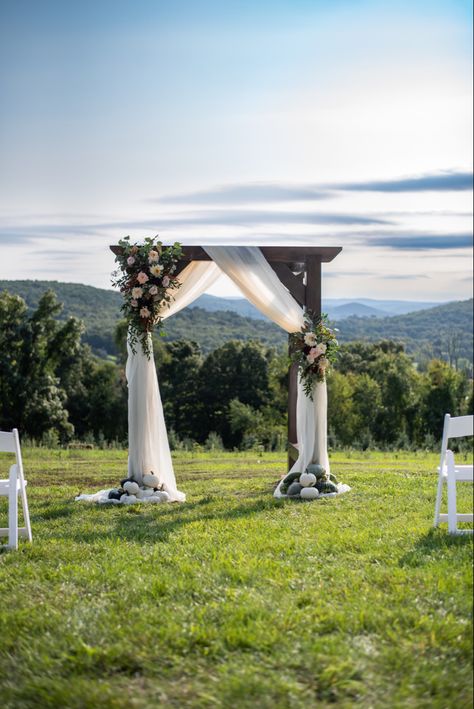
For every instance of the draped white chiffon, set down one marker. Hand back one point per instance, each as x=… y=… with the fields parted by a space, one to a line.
x=148 y=446
x=251 y=272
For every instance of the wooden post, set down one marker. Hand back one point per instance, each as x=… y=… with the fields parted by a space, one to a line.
x=312 y=303
x=313 y=284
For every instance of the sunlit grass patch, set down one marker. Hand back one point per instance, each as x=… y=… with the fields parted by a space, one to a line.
x=236 y=599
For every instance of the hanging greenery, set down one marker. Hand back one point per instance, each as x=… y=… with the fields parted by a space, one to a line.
x=146 y=278
x=313 y=349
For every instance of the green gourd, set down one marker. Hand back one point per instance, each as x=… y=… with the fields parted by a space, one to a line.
x=324 y=486
x=317 y=470
x=294 y=490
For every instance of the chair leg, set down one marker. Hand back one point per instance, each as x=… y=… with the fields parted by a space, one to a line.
x=438 y=500
x=26 y=514
x=452 y=513
x=13 y=512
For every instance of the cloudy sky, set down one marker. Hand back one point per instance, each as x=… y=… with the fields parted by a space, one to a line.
x=344 y=123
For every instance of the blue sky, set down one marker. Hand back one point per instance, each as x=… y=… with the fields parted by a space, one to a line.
x=291 y=121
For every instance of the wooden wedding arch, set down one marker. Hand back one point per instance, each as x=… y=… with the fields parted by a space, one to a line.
x=299 y=268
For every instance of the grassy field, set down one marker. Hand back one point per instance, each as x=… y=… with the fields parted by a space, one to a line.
x=236 y=599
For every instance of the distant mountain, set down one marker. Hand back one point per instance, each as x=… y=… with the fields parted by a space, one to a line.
x=384 y=307
x=241 y=306
x=336 y=308
x=338 y=312
x=443 y=331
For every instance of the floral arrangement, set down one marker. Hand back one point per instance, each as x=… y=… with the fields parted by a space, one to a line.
x=145 y=276
x=313 y=349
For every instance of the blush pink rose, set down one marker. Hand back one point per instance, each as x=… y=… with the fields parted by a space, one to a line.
x=166 y=281
x=144 y=313
x=153 y=290
x=133 y=303
x=130 y=260
x=142 y=278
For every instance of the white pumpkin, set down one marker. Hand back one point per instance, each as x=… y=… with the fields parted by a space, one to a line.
x=151 y=480
x=309 y=493
x=129 y=499
x=131 y=487
x=307 y=479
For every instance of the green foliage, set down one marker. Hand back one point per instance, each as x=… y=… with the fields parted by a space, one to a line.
x=444 y=332
x=51 y=387
x=378 y=397
x=236 y=599
x=33 y=347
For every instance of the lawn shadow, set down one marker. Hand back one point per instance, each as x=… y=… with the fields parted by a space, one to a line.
x=49 y=513
x=136 y=524
x=433 y=545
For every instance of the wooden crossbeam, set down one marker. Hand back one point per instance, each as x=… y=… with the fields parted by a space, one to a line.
x=294 y=283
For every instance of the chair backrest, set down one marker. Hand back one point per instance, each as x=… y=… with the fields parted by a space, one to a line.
x=459 y=426
x=7 y=442
x=10 y=443
x=455 y=427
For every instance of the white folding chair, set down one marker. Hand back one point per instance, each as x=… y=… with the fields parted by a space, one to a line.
x=451 y=473
x=13 y=487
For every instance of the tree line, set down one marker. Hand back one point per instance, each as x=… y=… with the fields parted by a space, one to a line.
x=54 y=390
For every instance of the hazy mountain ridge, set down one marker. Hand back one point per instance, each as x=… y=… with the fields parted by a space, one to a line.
x=336 y=308
x=440 y=331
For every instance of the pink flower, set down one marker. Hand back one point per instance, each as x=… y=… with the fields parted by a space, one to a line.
x=153 y=290
x=133 y=303
x=130 y=261
x=144 y=313
x=166 y=281
x=142 y=278
x=153 y=256
x=319 y=349
x=137 y=292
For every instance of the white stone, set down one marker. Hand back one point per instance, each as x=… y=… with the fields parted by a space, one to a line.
x=309 y=493
x=307 y=479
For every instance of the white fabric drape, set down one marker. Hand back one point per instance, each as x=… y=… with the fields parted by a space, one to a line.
x=195 y=279
x=248 y=268
x=149 y=449
x=251 y=272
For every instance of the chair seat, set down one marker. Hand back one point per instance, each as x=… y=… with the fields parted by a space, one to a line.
x=5 y=486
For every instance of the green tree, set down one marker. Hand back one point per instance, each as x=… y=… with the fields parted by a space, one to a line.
x=33 y=349
x=234 y=371
x=445 y=393
x=179 y=364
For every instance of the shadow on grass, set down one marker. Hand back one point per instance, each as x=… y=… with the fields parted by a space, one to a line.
x=139 y=524
x=434 y=545
x=50 y=512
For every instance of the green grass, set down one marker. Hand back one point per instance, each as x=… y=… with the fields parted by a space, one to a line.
x=236 y=599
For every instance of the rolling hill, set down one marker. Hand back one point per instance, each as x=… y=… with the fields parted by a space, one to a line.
x=442 y=331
